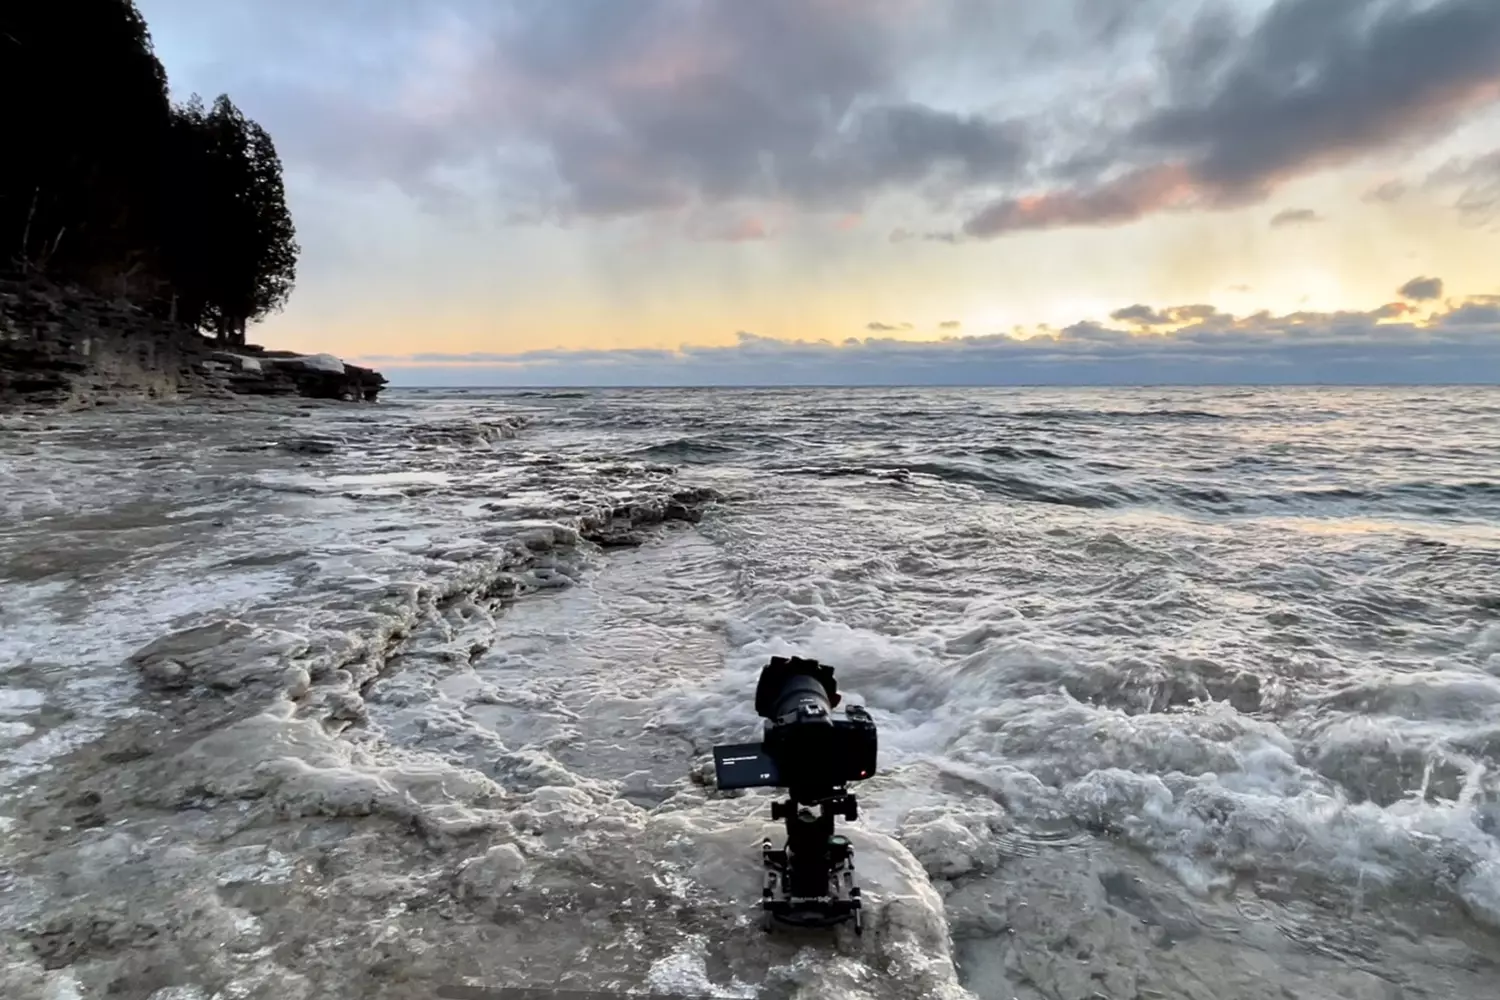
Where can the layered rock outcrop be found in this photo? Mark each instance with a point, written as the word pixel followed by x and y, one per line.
pixel 62 347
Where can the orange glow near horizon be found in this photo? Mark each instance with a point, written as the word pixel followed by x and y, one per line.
pixel 831 278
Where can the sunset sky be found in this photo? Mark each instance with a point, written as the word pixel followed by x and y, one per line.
pixel 574 191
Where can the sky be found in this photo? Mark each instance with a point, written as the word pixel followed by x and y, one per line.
pixel 625 192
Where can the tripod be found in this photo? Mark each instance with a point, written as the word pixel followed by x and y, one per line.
pixel 810 882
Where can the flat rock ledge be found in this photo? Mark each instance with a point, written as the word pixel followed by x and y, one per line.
pixel 71 349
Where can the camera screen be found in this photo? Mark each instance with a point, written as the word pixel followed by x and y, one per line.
pixel 744 765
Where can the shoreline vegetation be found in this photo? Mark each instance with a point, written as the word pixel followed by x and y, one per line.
pixel 139 238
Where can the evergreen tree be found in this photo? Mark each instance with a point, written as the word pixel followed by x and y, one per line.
pixel 106 184
pixel 187 180
pixel 256 241
pixel 275 237
pixel 86 116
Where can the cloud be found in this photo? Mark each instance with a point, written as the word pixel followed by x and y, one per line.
pixel 1460 346
pixel 1126 199
pixel 1387 193
pixel 717 228
pixel 603 109
pixel 1422 289
pixel 1314 84
pixel 887 327
pixel 1477 181
pixel 1481 312
pixel 595 110
pixel 1295 217
pixel 906 236
pixel 1320 81
pixel 1141 315
pixel 1145 316
pixel 949 324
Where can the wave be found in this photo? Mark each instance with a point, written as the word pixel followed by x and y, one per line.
pixel 1291 725
pixel 1011 453
pixel 548 394
pixel 999 483
pixel 686 451
pixel 1095 415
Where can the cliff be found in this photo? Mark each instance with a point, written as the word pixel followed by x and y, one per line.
pixel 62 347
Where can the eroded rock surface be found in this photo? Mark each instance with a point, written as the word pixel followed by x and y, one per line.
pixel 66 348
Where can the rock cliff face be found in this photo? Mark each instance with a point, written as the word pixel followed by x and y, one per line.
pixel 67 348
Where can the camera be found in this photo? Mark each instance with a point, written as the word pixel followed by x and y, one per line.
pixel 814 756
pixel 805 749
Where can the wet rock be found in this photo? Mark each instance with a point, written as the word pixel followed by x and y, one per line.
pixel 616 537
pixel 317 376
pixel 69 348
pixel 623 525
pixel 469 432
pixel 67 939
pixel 950 844
pixel 491 875
pixel 223 655
pixel 311 445
pixel 90 813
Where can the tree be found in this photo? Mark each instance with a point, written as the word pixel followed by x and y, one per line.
pixel 275 235
pixel 188 240
pixel 85 113
pixel 232 246
pixel 104 183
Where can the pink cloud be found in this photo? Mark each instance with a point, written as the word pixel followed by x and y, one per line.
pixel 1117 202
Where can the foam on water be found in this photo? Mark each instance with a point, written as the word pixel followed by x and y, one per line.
pixel 1143 664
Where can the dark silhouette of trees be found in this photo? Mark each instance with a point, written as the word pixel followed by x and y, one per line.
pixel 104 183
pixel 230 243
pixel 86 110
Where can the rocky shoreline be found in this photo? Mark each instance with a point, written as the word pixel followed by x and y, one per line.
pixel 64 348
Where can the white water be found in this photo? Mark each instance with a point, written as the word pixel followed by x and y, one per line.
pixel 1180 694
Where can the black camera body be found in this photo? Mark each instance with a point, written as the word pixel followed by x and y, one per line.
pixel 814 757
pixel 805 749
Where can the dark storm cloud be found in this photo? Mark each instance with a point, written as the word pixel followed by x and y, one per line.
pixel 1422 289
pixel 1314 83
pixel 1320 80
pixel 1462 346
pixel 607 108
pixel 1295 217
pixel 906 142
pixel 603 108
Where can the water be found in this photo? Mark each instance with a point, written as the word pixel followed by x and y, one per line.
pixel 1181 693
